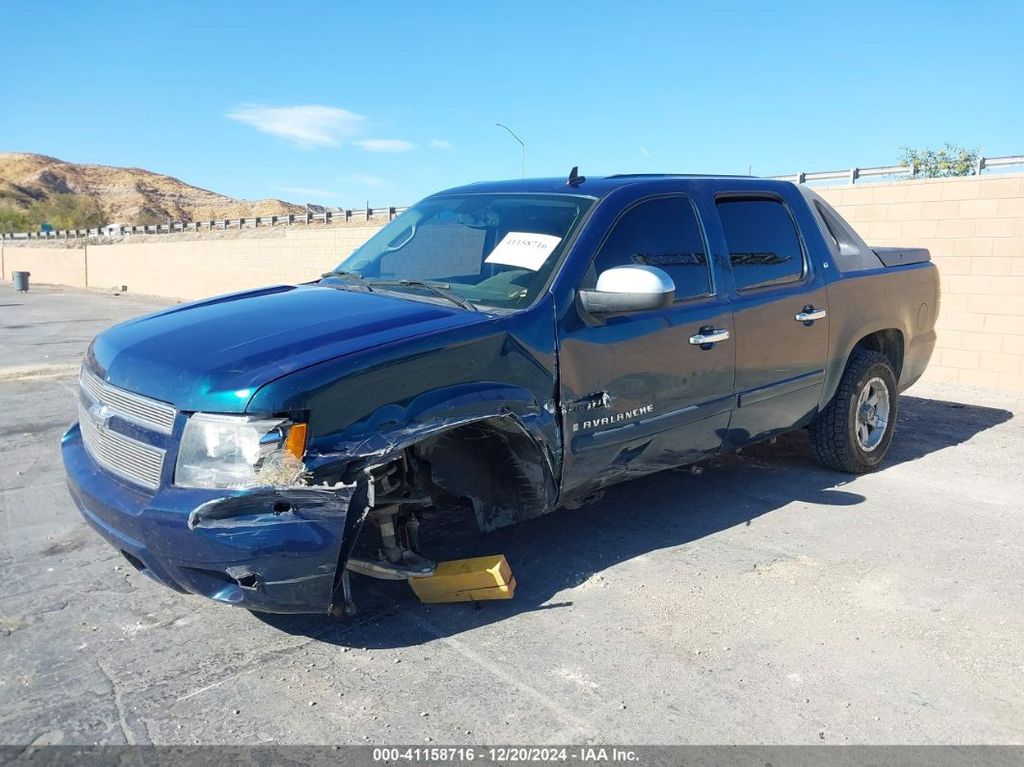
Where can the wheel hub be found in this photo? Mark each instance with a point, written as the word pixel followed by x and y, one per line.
pixel 872 414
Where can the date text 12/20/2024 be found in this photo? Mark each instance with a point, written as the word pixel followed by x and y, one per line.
pixel 504 754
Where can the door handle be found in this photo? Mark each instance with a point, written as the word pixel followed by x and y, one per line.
pixel 809 314
pixel 709 336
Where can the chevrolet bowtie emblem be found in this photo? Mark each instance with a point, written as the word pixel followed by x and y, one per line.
pixel 100 416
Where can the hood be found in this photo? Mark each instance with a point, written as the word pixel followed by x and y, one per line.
pixel 213 354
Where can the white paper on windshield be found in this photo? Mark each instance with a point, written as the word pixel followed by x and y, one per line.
pixel 522 249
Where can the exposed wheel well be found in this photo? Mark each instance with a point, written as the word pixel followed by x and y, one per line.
pixel 888 343
pixel 496 465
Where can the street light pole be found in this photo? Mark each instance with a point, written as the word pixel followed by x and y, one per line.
pixel 522 149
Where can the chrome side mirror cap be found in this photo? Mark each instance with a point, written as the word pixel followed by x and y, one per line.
pixel 629 289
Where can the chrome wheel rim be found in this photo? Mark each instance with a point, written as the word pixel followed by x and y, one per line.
pixel 873 408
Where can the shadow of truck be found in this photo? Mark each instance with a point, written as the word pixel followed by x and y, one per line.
pixel 564 549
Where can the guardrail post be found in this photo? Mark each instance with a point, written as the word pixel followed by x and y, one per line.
pixel 979 166
pixel 307 216
pixel 369 211
pixel 801 177
pixel 854 175
pixel 391 213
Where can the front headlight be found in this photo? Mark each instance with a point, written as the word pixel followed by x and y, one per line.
pixel 227 451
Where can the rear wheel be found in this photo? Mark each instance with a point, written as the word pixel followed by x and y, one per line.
pixel 855 429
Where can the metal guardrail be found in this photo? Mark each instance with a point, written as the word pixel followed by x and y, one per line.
pixel 852 174
pixel 369 214
pixel 212 225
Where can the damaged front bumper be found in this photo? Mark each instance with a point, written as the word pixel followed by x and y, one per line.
pixel 269 549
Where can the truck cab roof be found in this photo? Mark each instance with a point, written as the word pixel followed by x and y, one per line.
pixel 598 186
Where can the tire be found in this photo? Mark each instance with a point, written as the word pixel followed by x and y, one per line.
pixel 851 434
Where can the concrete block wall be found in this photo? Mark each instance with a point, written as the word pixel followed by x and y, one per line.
pixel 974 228
pixel 202 268
pixel 53 266
pixel 188 269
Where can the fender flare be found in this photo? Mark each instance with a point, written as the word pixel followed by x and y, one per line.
pixel 837 363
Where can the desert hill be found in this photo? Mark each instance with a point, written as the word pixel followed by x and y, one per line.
pixel 126 195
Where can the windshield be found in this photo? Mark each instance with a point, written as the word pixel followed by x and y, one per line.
pixel 490 249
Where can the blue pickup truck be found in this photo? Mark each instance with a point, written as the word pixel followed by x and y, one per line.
pixel 510 347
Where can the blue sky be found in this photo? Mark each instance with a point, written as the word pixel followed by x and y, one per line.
pixel 343 102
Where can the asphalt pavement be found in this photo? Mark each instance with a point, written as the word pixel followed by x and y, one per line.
pixel 756 599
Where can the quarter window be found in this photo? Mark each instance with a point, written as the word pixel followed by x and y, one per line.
pixel 764 248
pixel 662 232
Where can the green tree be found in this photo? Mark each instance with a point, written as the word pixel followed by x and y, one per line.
pixel 67 211
pixel 950 160
pixel 13 220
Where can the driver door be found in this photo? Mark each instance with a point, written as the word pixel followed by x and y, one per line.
pixel 638 391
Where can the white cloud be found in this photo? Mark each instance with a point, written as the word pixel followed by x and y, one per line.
pixel 440 143
pixel 306 126
pixel 384 145
pixel 366 180
pixel 644 152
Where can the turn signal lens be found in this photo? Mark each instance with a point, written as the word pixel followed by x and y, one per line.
pixel 295 442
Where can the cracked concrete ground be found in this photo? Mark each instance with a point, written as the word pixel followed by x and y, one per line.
pixel 762 600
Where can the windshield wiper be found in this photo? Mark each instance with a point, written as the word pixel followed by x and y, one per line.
pixel 354 276
pixel 441 289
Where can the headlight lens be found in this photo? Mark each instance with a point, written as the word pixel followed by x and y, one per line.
pixel 225 451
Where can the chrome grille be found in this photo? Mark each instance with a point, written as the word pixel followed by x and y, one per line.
pixel 142 411
pixel 121 455
pixel 128 458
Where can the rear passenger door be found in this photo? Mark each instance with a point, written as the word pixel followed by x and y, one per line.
pixel 780 315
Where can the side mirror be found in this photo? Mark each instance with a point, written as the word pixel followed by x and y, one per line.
pixel 629 289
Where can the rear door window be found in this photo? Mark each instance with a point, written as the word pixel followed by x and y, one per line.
pixel 764 246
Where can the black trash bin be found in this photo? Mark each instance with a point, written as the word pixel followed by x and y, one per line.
pixel 20 281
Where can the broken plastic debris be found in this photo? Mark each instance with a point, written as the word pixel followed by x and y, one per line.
pixel 281 470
